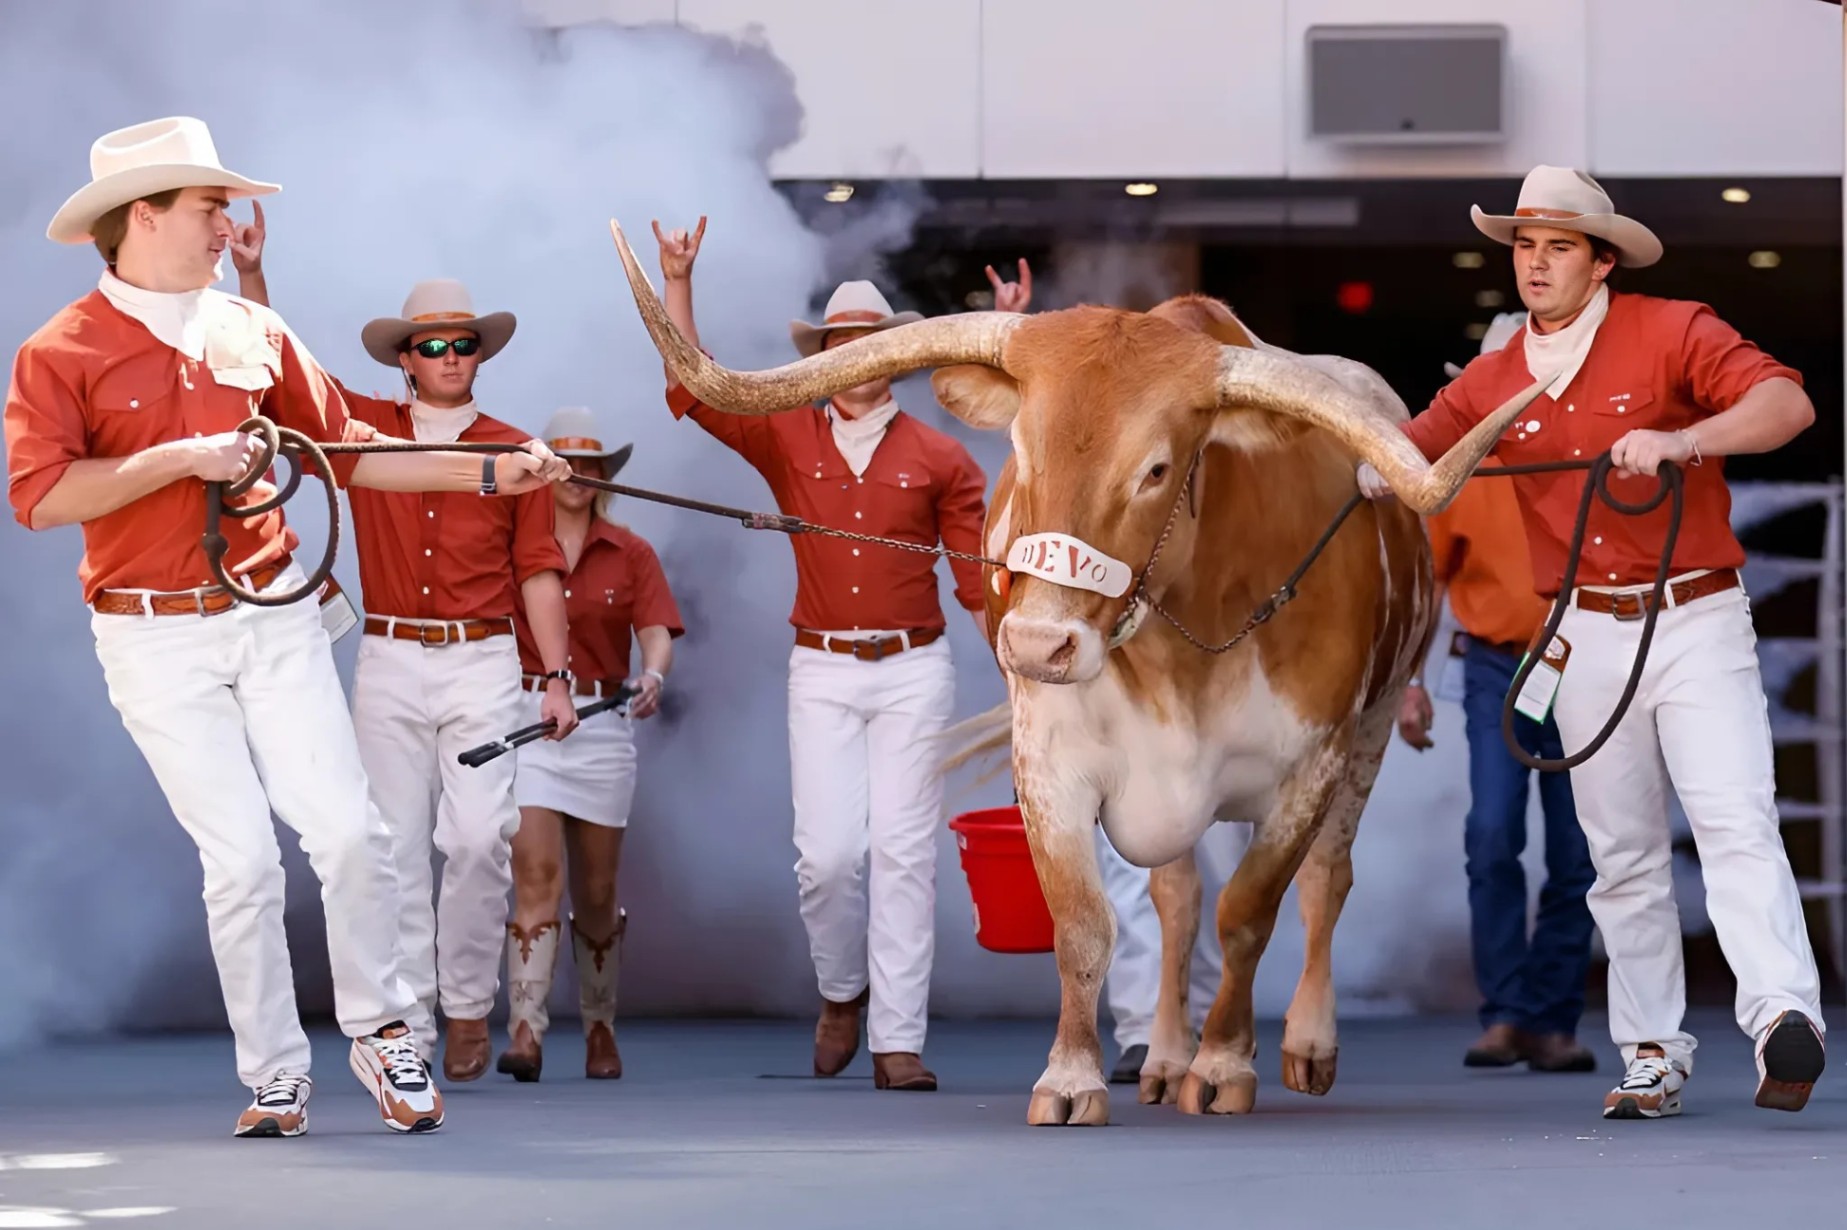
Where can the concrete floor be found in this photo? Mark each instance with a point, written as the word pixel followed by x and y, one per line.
pixel 717 1125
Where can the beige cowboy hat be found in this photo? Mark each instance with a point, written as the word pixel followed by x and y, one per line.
pixel 141 160
pixel 854 305
pixel 439 303
pixel 572 432
pixel 1570 200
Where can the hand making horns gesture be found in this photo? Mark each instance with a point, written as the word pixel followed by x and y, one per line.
pixel 679 250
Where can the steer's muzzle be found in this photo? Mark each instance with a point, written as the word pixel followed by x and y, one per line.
pixel 1050 650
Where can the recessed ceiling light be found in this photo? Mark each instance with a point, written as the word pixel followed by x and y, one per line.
pixel 1765 260
pixel 1736 196
pixel 1476 331
pixel 839 193
pixel 1467 260
pixel 1141 189
pixel 1489 298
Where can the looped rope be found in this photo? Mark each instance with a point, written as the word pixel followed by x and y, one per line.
pixel 275 441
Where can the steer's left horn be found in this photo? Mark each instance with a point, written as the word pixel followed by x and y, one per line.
pixel 969 337
pixel 1287 386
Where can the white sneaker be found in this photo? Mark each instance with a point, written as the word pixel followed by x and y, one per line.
pixel 1790 1057
pixel 1650 1089
pixel 280 1109
pixel 389 1065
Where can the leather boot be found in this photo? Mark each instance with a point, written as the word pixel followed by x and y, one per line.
pixel 597 966
pixel 531 958
pixel 466 1050
pixel 901 1070
pixel 836 1034
pixel 1500 1046
pixel 1559 1053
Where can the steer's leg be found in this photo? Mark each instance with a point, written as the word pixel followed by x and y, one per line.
pixel 1222 1080
pixel 1310 1040
pixel 1174 889
pixel 1059 815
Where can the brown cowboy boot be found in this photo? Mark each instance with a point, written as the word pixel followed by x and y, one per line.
pixel 836 1034
pixel 1500 1046
pixel 466 1050
pixel 1558 1053
pixel 531 958
pixel 901 1070
pixel 597 966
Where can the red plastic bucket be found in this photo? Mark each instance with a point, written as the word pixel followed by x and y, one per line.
pixel 1010 910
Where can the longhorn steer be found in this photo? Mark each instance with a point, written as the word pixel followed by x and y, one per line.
pixel 1173 437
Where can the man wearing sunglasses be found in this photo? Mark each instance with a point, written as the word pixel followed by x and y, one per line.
pixel 438 670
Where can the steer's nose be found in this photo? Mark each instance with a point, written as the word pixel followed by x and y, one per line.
pixel 1046 650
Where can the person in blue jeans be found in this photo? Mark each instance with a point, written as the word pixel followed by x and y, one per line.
pixel 1532 987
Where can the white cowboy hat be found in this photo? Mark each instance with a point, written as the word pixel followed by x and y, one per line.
pixel 1500 331
pixel 1570 200
pixel 439 303
pixel 572 432
pixel 141 160
pixel 854 305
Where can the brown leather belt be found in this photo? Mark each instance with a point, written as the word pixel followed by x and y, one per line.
pixel 452 632
pixel 866 650
pixel 206 600
pixel 598 688
pixel 1633 604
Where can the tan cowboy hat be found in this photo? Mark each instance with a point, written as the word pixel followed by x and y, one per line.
pixel 1570 200
pixel 141 160
pixel 854 305
pixel 572 432
pixel 439 303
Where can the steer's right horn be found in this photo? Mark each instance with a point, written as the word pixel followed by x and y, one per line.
pixel 1282 385
pixel 969 337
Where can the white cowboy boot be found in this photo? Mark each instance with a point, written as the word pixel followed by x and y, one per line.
pixel 597 965
pixel 531 958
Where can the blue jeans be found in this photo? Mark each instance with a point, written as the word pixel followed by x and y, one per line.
pixel 1535 984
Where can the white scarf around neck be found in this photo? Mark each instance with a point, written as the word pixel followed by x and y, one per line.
pixel 435 426
pixel 177 319
pixel 1557 356
pixel 858 438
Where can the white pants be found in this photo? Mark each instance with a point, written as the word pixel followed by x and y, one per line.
pixel 236 714
pixel 1134 979
pixel 416 708
pixel 868 802
pixel 1699 721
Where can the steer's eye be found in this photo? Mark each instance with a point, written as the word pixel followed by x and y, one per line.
pixel 1159 472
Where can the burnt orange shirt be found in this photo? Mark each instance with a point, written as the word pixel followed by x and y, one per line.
pixel 1479 543
pixel 94 383
pixel 1659 364
pixel 921 486
pixel 448 554
pixel 617 586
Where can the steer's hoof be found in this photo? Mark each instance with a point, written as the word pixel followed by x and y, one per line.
pixel 1309 1073
pixel 1162 1086
pixel 1088 1108
pixel 1235 1095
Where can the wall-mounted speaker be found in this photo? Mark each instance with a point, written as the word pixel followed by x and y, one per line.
pixel 1407 84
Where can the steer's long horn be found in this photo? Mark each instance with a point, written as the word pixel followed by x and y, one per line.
pixel 969 337
pixel 1283 385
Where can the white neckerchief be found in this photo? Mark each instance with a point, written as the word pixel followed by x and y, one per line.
pixel 858 438
pixel 177 319
pixel 434 426
pixel 1558 355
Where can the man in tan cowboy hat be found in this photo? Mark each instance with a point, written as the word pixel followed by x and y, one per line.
pixel 871 681
pixel 1651 380
pixel 438 669
pixel 121 409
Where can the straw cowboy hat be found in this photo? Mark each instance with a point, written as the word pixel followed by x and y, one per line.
pixel 1500 331
pixel 141 160
pixel 854 305
pixel 439 303
pixel 572 432
pixel 1571 201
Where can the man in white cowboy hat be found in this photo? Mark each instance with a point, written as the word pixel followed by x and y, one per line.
pixel 438 668
pixel 1651 380
pixel 121 409
pixel 574 796
pixel 871 681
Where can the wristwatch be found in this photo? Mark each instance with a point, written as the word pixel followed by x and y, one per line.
pixel 488 485
pixel 566 675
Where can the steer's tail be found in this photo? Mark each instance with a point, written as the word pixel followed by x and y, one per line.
pixel 977 737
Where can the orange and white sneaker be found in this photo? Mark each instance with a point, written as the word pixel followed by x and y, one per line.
pixel 388 1064
pixel 1790 1057
pixel 1650 1089
pixel 280 1109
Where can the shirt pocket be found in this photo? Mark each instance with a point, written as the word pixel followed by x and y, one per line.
pixel 128 395
pixel 907 502
pixel 1629 410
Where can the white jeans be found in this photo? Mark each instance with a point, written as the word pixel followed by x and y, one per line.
pixel 1699 721
pixel 416 708
pixel 1134 979
pixel 236 714
pixel 868 802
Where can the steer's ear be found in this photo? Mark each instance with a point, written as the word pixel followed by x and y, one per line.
pixel 979 395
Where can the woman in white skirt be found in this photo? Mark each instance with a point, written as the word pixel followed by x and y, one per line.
pixel 574 794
